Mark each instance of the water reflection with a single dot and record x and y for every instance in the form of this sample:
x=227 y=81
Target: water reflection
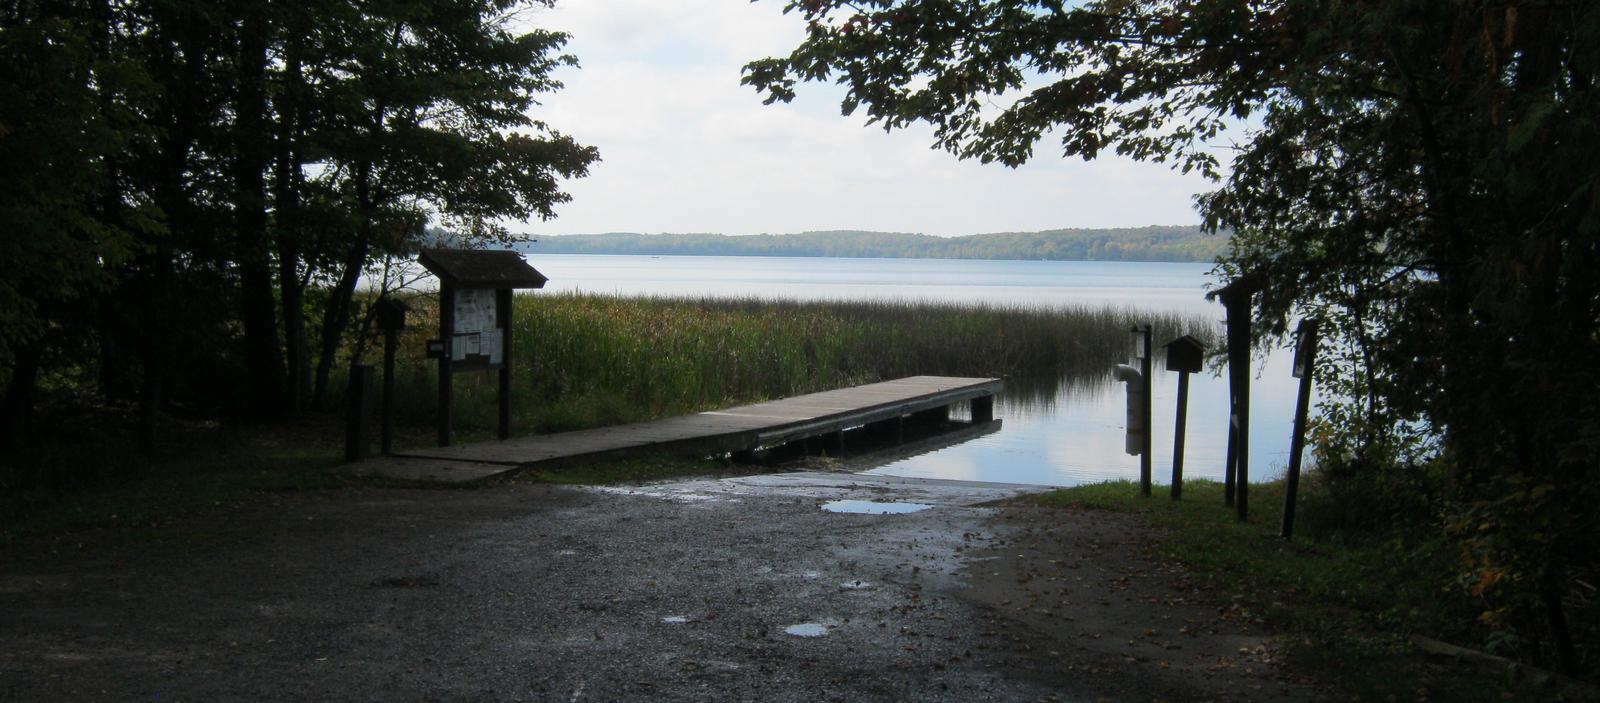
x=1057 y=431
x=1069 y=431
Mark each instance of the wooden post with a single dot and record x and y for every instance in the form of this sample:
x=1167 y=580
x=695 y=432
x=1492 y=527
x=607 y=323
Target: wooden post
x=982 y=409
x=1232 y=457
x=1178 y=432
x=1237 y=301
x=1304 y=366
x=1145 y=458
x=358 y=407
x=502 y=299
x=390 y=341
x=447 y=332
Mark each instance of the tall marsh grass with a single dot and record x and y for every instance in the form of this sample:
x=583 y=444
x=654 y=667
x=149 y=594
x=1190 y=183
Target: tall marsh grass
x=589 y=360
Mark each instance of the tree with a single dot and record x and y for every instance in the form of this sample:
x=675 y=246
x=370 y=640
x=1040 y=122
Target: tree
x=181 y=176
x=420 y=100
x=1421 y=171
x=66 y=114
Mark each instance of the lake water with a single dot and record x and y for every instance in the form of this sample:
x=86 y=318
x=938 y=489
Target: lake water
x=1072 y=436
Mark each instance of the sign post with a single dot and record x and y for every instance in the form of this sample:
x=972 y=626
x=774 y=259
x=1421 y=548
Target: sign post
x=391 y=316
x=1142 y=349
x=1236 y=298
x=475 y=321
x=1305 y=359
x=1184 y=355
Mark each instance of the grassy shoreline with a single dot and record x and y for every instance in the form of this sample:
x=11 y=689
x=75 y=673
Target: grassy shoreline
x=1346 y=611
x=583 y=361
x=593 y=360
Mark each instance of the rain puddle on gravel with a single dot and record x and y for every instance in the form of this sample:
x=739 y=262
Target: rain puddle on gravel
x=871 y=507
x=807 y=629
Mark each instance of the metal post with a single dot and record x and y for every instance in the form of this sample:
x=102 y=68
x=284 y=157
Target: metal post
x=1305 y=363
x=502 y=299
x=447 y=324
x=1178 y=432
x=1149 y=430
x=358 y=406
x=390 y=341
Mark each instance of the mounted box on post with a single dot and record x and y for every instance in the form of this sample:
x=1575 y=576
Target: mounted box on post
x=1185 y=355
x=475 y=320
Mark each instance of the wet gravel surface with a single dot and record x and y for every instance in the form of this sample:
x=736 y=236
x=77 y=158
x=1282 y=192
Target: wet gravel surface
x=709 y=590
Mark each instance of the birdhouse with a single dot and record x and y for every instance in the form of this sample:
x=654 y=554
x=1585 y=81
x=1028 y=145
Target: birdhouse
x=390 y=314
x=1185 y=354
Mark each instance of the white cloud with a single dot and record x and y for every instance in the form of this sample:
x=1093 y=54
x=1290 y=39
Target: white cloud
x=685 y=148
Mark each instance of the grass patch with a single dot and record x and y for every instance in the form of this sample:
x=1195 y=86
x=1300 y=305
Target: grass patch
x=202 y=467
x=582 y=361
x=1345 y=610
x=592 y=360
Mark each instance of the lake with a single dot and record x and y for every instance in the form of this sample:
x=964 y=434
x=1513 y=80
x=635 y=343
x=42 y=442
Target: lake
x=1069 y=437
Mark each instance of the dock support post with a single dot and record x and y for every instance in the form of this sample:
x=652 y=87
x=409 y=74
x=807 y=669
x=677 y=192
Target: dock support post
x=983 y=409
x=833 y=444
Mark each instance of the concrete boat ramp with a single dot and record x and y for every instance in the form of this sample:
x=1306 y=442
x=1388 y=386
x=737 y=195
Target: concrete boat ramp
x=820 y=417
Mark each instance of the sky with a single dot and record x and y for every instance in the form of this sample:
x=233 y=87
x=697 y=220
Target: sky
x=685 y=148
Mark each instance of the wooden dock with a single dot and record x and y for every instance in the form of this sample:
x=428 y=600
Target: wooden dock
x=746 y=428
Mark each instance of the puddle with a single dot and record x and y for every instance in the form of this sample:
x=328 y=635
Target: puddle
x=806 y=629
x=674 y=619
x=872 y=507
x=855 y=585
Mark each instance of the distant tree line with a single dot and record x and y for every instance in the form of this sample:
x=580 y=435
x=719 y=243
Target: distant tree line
x=1131 y=244
x=190 y=190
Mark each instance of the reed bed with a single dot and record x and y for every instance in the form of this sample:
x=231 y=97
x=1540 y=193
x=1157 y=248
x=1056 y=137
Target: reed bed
x=592 y=360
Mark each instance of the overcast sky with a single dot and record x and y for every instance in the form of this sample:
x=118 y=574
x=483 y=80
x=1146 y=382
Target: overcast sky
x=685 y=148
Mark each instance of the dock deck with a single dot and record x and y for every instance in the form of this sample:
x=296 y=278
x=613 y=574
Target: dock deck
x=738 y=429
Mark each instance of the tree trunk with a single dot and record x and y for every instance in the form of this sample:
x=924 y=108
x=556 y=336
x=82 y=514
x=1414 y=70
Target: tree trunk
x=263 y=357
x=289 y=182
x=337 y=317
x=16 y=407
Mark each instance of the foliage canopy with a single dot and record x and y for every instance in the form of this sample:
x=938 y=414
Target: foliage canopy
x=1419 y=173
x=191 y=190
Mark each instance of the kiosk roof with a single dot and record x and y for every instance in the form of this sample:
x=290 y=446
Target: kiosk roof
x=480 y=268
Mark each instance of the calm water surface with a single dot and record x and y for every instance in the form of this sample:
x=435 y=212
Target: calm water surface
x=1071 y=436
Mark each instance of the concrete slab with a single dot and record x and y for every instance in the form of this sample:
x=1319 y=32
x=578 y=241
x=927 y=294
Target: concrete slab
x=424 y=469
x=826 y=486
